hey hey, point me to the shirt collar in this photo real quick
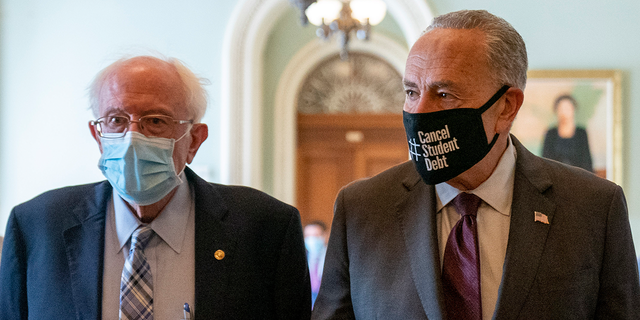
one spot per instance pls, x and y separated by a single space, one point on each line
496 191
170 225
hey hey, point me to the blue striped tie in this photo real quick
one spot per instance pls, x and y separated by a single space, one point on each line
136 284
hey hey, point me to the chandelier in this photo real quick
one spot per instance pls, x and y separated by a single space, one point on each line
342 17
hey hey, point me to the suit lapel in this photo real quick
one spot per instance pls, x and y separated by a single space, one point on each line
214 248
417 216
84 241
84 245
527 237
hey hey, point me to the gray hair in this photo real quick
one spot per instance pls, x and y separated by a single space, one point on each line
506 51
196 95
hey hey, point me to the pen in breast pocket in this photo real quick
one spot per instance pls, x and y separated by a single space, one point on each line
187 312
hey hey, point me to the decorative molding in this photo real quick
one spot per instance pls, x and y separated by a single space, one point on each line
242 67
364 83
241 95
413 17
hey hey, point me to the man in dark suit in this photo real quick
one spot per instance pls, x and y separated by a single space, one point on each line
228 252
537 239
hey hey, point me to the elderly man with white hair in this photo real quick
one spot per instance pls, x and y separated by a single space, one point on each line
154 241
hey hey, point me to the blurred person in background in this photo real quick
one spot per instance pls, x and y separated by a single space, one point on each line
315 241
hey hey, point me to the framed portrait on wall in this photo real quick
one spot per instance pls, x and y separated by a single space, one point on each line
574 116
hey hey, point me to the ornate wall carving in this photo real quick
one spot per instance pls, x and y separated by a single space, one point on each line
362 84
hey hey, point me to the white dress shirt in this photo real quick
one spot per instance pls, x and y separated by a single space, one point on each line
170 254
494 215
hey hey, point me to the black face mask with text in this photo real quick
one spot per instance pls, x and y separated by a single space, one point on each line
444 144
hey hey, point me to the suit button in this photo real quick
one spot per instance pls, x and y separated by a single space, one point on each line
219 254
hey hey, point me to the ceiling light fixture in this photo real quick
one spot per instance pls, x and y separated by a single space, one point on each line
342 17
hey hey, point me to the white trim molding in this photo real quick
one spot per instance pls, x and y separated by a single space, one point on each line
241 95
242 66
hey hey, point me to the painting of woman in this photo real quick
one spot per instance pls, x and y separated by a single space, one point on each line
567 142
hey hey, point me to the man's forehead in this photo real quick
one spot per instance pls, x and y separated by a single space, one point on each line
451 52
313 228
448 36
142 82
145 76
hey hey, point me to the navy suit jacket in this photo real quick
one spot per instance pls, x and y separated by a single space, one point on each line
383 260
53 255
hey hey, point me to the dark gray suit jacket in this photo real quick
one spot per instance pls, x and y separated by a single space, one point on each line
53 255
383 262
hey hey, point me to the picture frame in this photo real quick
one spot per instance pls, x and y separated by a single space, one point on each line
598 113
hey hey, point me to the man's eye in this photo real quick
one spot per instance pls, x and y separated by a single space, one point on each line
443 95
411 93
156 121
118 120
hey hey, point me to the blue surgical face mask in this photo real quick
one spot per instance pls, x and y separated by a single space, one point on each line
314 245
139 168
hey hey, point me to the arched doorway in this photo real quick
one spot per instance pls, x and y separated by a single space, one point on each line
241 95
286 99
349 126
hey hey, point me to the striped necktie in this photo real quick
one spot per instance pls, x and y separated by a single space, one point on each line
461 265
136 284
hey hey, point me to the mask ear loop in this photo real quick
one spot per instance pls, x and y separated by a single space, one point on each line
490 103
185 134
495 139
493 99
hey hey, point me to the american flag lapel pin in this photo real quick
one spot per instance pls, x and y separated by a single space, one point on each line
541 217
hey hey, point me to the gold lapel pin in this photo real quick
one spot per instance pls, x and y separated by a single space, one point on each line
219 254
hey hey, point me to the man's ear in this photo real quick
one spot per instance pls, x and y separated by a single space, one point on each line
199 134
513 100
96 136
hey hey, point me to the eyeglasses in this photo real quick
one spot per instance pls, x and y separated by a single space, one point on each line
115 127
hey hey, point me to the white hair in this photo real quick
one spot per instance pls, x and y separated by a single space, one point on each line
196 95
506 51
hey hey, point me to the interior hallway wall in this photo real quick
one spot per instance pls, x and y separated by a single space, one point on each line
49 53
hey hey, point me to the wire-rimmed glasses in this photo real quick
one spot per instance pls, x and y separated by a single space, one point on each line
115 127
